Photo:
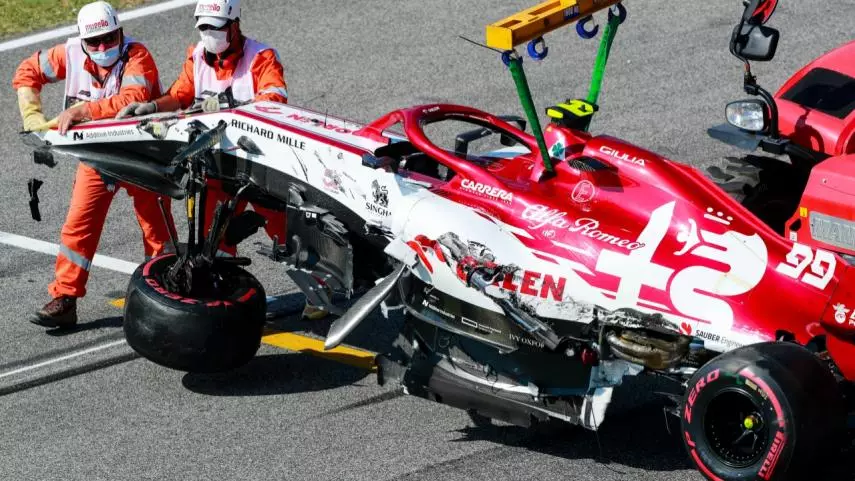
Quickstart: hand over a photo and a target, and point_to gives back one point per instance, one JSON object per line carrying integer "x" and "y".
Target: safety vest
{"x": 205, "y": 80}
{"x": 79, "y": 83}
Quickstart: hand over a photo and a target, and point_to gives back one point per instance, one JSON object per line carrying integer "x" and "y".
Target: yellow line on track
{"x": 308, "y": 345}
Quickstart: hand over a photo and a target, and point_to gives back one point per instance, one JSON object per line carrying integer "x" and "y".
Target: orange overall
{"x": 267, "y": 78}
{"x": 91, "y": 195}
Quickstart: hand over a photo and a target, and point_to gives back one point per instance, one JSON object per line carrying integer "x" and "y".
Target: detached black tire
{"x": 194, "y": 335}
{"x": 761, "y": 412}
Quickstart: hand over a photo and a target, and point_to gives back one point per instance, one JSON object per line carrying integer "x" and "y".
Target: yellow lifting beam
{"x": 539, "y": 20}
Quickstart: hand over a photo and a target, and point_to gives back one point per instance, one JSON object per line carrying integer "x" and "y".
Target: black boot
{"x": 60, "y": 312}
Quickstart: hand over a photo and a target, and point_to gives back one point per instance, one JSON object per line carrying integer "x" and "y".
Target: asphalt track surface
{"x": 81, "y": 405}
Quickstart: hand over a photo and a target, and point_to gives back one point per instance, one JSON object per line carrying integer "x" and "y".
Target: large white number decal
{"x": 822, "y": 265}
{"x": 693, "y": 288}
{"x": 823, "y": 269}
{"x": 745, "y": 256}
{"x": 797, "y": 261}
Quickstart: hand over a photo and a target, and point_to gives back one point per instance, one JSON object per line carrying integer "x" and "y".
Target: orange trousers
{"x": 275, "y": 220}
{"x": 90, "y": 201}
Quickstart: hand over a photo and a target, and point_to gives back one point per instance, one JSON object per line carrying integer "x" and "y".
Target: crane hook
{"x": 621, "y": 12}
{"x": 533, "y": 51}
{"x": 583, "y": 32}
{"x": 506, "y": 57}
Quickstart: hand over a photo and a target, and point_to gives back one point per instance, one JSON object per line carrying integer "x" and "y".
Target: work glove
{"x": 136, "y": 109}
{"x": 211, "y": 104}
{"x": 30, "y": 106}
{"x": 50, "y": 124}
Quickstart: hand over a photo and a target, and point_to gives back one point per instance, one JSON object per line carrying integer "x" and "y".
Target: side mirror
{"x": 508, "y": 141}
{"x": 514, "y": 119}
{"x": 382, "y": 162}
{"x": 461, "y": 143}
{"x": 754, "y": 42}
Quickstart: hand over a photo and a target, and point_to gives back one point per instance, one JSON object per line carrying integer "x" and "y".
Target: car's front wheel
{"x": 210, "y": 333}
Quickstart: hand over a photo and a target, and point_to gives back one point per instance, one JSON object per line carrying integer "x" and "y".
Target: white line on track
{"x": 50, "y": 248}
{"x": 99, "y": 260}
{"x": 62, "y": 358}
{"x": 72, "y": 29}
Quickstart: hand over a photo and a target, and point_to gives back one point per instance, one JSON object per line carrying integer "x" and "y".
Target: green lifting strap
{"x": 517, "y": 72}
{"x": 602, "y": 59}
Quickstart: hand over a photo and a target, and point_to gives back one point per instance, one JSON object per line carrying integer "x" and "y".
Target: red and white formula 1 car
{"x": 530, "y": 289}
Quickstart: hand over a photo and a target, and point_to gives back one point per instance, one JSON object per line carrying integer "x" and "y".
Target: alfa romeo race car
{"x": 535, "y": 273}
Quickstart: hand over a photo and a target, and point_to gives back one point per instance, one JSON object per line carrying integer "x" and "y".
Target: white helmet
{"x": 97, "y": 18}
{"x": 216, "y": 12}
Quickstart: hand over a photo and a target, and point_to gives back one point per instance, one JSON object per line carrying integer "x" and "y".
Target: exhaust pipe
{"x": 345, "y": 324}
{"x": 649, "y": 352}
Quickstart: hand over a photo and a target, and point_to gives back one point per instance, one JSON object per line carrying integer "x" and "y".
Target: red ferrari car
{"x": 810, "y": 122}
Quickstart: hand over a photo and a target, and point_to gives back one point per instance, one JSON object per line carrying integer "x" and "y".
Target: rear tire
{"x": 773, "y": 203}
{"x": 194, "y": 334}
{"x": 768, "y": 187}
{"x": 764, "y": 411}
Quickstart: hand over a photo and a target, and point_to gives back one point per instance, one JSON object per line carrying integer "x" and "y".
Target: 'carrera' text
{"x": 487, "y": 190}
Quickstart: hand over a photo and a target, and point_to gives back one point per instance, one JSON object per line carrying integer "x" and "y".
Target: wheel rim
{"x": 736, "y": 428}
{"x": 213, "y": 282}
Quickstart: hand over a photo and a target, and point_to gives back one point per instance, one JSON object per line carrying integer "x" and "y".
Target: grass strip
{"x": 25, "y": 16}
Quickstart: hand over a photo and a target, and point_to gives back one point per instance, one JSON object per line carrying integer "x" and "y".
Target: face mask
{"x": 105, "y": 58}
{"x": 215, "y": 41}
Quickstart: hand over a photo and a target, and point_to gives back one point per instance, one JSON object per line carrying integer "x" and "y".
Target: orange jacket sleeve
{"x": 40, "y": 68}
{"x": 183, "y": 89}
{"x": 269, "y": 77}
{"x": 140, "y": 83}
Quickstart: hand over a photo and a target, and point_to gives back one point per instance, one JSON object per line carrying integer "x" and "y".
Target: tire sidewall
{"x": 731, "y": 375}
{"x": 151, "y": 276}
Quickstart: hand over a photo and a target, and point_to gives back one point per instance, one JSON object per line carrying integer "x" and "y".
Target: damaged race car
{"x": 534, "y": 273}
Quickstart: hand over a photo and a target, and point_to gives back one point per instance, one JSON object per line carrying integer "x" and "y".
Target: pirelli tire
{"x": 203, "y": 335}
{"x": 768, "y": 411}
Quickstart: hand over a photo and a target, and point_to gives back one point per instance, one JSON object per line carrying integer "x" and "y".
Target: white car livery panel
{"x": 321, "y": 151}
{"x": 552, "y": 286}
